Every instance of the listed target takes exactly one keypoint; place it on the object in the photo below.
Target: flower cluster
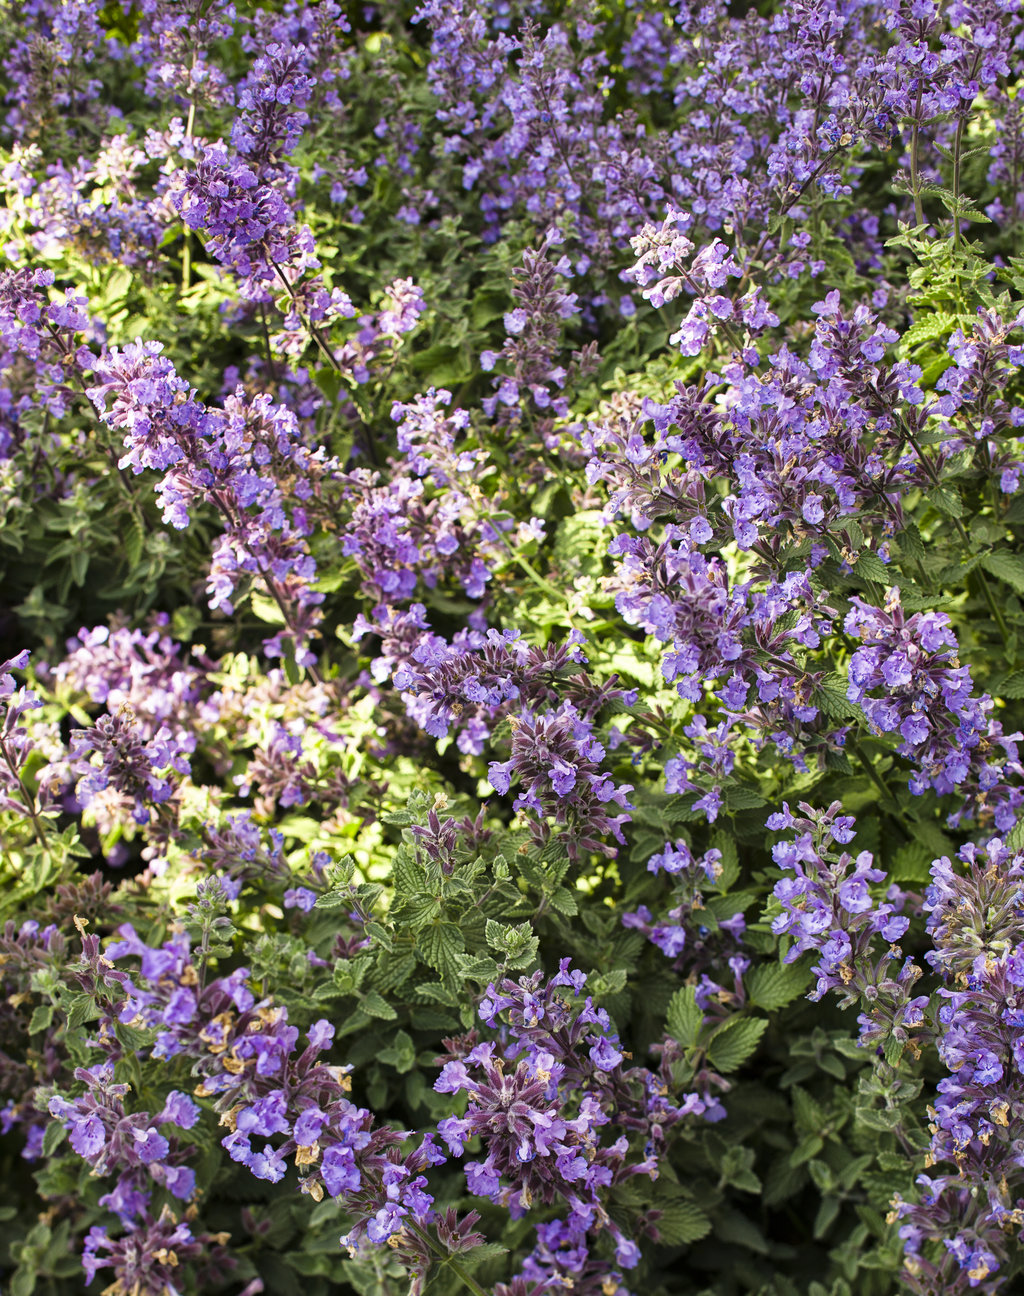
(467, 470)
(827, 907)
(975, 1203)
(907, 678)
(554, 1106)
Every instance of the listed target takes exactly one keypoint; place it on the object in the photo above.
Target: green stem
(119, 474)
(236, 523)
(915, 157)
(327, 354)
(957, 149)
(28, 798)
(446, 1256)
(308, 324)
(986, 589)
(540, 581)
(271, 363)
(186, 252)
(869, 769)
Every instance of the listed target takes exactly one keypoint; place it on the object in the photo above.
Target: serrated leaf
(518, 944)
(1015, 837)
(734, 1041)
(772, 986)
(81, 1008)
(911, 862)
(878, 1118)
(486, 1251)
(743, 798)
(910, 542)
(932, 325)
(1007, 567)
(870, 567)
(42, 1019)
(682, 1222)
(375, 1005)
(893, 1049)
(563, 901)
(947, 500)
(1012, 686)
(53, 1136)
(439, 946)
(684, 1019)
(830, 696)
(334, 900)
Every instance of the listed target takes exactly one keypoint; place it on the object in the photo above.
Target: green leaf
(825, 1218)
(684, 1019)
(518, 944)
(486, 1251)
(1007, 567)
(266, 608)
(375, 1005)
(1012, 686)
(772, 986)
(932, 325)
(488, 306)
(878, 1118)
(682, 1222)
(564, 902)
(439, 946)
(910, 541)
(831, 696)
(737, 1228)
(870, 567)
(53, 1137)
(806, 1149)
(947, 500)
(42, 1019)
(401, 1053)
(734, 1041)
(1015, 837)
(334, 899)
(23, 1283)
(893, 1049)
(742, 798)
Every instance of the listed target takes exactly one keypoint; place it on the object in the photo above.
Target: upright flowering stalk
(278, 1101)
(130, 1145)
(828, 909)
(557, 761)
(45, 333)
(474, 685)
(151, 1255)
(974, 920)
(687, 937)
(973, 1202)
(533, 340)
(664, 269)
(560, 1118)
(743, 639)
(244, 459)
(130, 767)
(251, 228)
(175, 45)
(908, 679)
(271, 103)
(15, 741)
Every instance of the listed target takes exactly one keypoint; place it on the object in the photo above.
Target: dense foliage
(510, 647)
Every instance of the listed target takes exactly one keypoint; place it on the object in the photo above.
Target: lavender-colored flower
(553, 1104)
